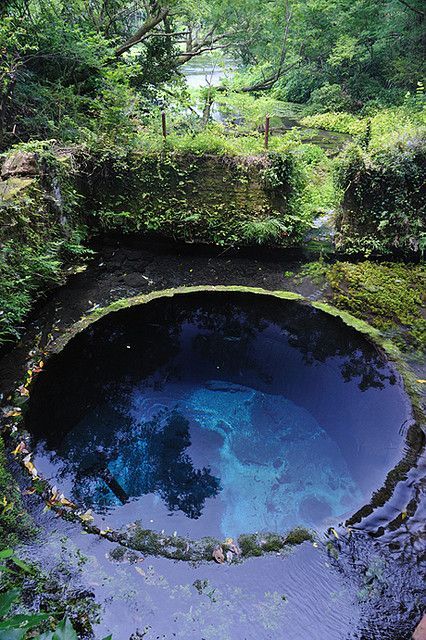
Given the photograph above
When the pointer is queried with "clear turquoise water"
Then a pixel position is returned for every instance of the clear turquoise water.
(218, 414)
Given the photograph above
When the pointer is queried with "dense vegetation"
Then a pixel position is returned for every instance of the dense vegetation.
(92, 71)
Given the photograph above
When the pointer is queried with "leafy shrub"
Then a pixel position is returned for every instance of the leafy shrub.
(383, 207)
(329, 97)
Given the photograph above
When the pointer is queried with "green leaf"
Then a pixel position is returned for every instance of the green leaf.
(22, 565)
(24, 621)
(108, 637)
(65, 631)
(6, 570)
(7, 599)
(6, 553)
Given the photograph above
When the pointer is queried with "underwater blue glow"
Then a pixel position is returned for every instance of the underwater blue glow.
(218, 414)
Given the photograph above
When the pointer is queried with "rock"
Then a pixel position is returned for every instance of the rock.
(420, 632)
(22, 163)
(14, 187)
(218, 554)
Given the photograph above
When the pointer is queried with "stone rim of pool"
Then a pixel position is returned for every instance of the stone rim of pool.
(251, 544)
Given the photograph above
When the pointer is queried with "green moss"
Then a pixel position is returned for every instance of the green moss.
(15, 523)
(273, 542)
(38, 215)
(299, 535)
(383, 204)
(390, 296)
(249, 546)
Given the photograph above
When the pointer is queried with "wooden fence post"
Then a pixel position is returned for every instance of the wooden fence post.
(267, 121)
(164, 125)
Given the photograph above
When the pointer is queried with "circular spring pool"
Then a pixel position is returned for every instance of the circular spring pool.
(217, 414)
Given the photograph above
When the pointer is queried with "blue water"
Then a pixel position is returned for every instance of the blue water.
(217, 414)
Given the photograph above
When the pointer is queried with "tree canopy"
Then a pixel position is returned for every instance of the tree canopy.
(66, 64)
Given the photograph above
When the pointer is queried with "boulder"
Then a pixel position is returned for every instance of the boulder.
(22, 163)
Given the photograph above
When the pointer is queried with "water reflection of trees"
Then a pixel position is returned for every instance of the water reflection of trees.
(231, 327)
(320, 337)
(151, 458)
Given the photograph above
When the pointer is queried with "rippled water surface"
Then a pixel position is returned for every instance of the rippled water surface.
(217, 414)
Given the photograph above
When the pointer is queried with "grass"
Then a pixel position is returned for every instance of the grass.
(381, 127)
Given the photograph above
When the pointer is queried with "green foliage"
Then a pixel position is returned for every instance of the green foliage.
(182, 196)
(383, 207)
(59, 614)
(21, 626)
(329, 97)
(390, 296)
(384, 125)
(15, 523)
(36, 234)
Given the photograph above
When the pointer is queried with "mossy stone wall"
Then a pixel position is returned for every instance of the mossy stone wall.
(196, 198)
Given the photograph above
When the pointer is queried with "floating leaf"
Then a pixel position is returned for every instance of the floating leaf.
(29, 466)
(87, 516)
(12, 413)
(23, 391)
(66, 503)
(21, 448)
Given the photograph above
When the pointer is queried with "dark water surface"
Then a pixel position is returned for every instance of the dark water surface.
(217, 414)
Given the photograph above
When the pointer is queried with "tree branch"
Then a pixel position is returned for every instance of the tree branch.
(418, 11)
(150, 23)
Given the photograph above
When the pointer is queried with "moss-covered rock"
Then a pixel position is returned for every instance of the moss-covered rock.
(391, 296)
(38, 220)
(384, 205)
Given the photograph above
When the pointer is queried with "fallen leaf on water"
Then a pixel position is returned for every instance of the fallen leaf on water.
(21, 448)
(421, 381)
(403, 515)
(235, 549)
(334, 532)
(23, 390)
(29, 466)
(66, 503)
(87, 516)
(218, 554)
(141, 571)
(12, 413)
